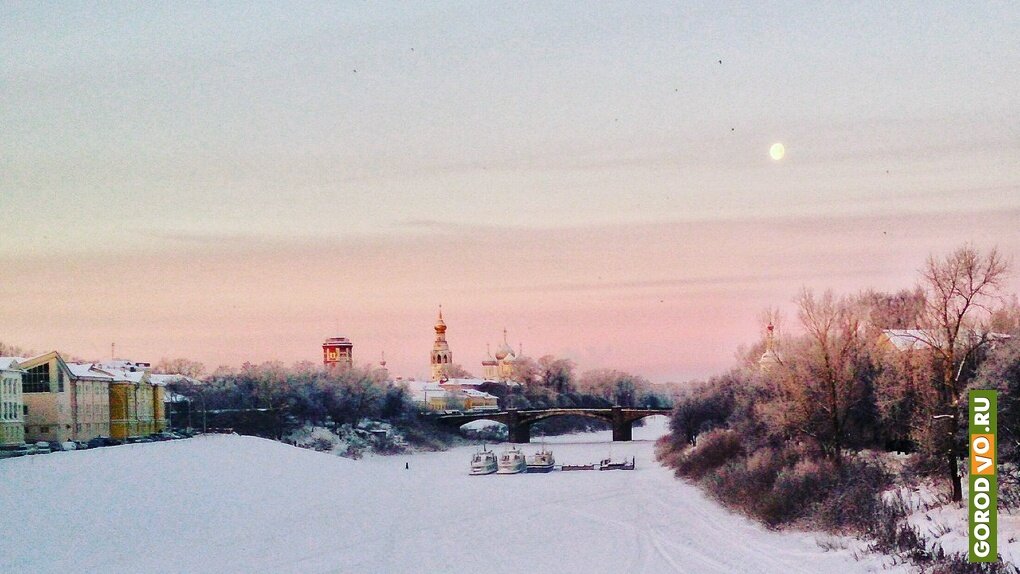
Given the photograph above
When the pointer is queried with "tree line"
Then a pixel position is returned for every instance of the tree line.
(792, 439)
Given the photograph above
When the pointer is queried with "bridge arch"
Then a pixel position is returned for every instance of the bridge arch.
(519, 422)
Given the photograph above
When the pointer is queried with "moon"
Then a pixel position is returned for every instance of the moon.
(777, 151)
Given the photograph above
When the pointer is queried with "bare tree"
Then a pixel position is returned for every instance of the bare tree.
(961, 290)
(457, 371)
(829, 367)
(180, 366)
(8, 350)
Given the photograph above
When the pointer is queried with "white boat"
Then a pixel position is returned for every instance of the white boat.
(543, 461)
(511, 461)
(483, 462)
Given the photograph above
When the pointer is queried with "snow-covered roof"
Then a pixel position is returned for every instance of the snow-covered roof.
(914, 339)
(171, 397)
(124, 365)
(10, 363)
(88, 371)
(477, 394)
(473, 382)
(126, 375)
(163, 380)
(431, 394)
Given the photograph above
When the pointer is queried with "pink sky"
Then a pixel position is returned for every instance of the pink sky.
(669, 301)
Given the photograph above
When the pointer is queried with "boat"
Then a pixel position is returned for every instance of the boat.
(483, 462)
(608, 464)
(543, 461)
(578, 467)
(511, 461)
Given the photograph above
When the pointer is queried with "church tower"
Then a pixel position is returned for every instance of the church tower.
(337, 352)
(441, 355)
(504, 359)
(770, 358)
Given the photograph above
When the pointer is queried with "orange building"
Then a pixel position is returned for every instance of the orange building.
(338, 352)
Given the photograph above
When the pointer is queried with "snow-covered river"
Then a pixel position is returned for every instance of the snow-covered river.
(239, 504)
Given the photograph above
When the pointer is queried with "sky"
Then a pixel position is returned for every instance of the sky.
(235, 183)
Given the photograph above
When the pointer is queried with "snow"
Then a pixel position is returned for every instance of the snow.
(243, 504)
(945, 522)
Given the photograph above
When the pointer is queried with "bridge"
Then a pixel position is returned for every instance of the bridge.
(518, 422)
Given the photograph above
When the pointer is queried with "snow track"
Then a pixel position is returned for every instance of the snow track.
(227, 504)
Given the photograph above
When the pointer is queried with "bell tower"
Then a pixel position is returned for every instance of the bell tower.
(441, 355)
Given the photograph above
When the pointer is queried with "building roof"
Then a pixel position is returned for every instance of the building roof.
(122, 375)
(88, 371)
(10, 363)
(473, 382)
(163, 380)
(914, 339)
(124, 365)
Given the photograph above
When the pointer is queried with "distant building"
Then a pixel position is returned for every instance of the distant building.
(338, 352)
(64, 401)
(500, 367)
(12, 406)
(452, 394)
(770, 358)
(166, 403)
(132, 399)
(909, 340)
(441, 357)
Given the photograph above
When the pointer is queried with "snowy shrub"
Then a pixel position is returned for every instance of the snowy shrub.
(854, 501)
(322, 444)
(714, 449)
(797, 490)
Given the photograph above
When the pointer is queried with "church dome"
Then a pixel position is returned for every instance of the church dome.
(504, 352)
(440, 324)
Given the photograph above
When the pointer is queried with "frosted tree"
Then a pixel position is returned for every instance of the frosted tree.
(962, 290)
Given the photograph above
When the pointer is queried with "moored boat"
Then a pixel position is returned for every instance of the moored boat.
(483, 462)
(608, 464)
(543, 461)
(511, 461)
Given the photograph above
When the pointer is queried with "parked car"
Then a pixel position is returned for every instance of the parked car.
(42, 447)
(14, 451)
(103, 441)
(69, 445)
(80, 445)
(26, 449)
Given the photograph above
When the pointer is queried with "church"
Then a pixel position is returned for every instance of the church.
(497, 368)
(445, 389)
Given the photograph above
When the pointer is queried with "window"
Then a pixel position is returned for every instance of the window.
(60, 381)
(44, 430)
(37, 379)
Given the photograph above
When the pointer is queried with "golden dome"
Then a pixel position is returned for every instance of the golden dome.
(440, 325)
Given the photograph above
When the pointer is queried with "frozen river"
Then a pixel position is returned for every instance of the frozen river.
(239, 504)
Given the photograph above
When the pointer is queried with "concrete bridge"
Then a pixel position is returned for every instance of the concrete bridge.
(519, 422)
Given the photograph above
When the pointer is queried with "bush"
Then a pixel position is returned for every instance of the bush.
(798, 489)
(854, 502)
(322, 444)
(714, 449)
